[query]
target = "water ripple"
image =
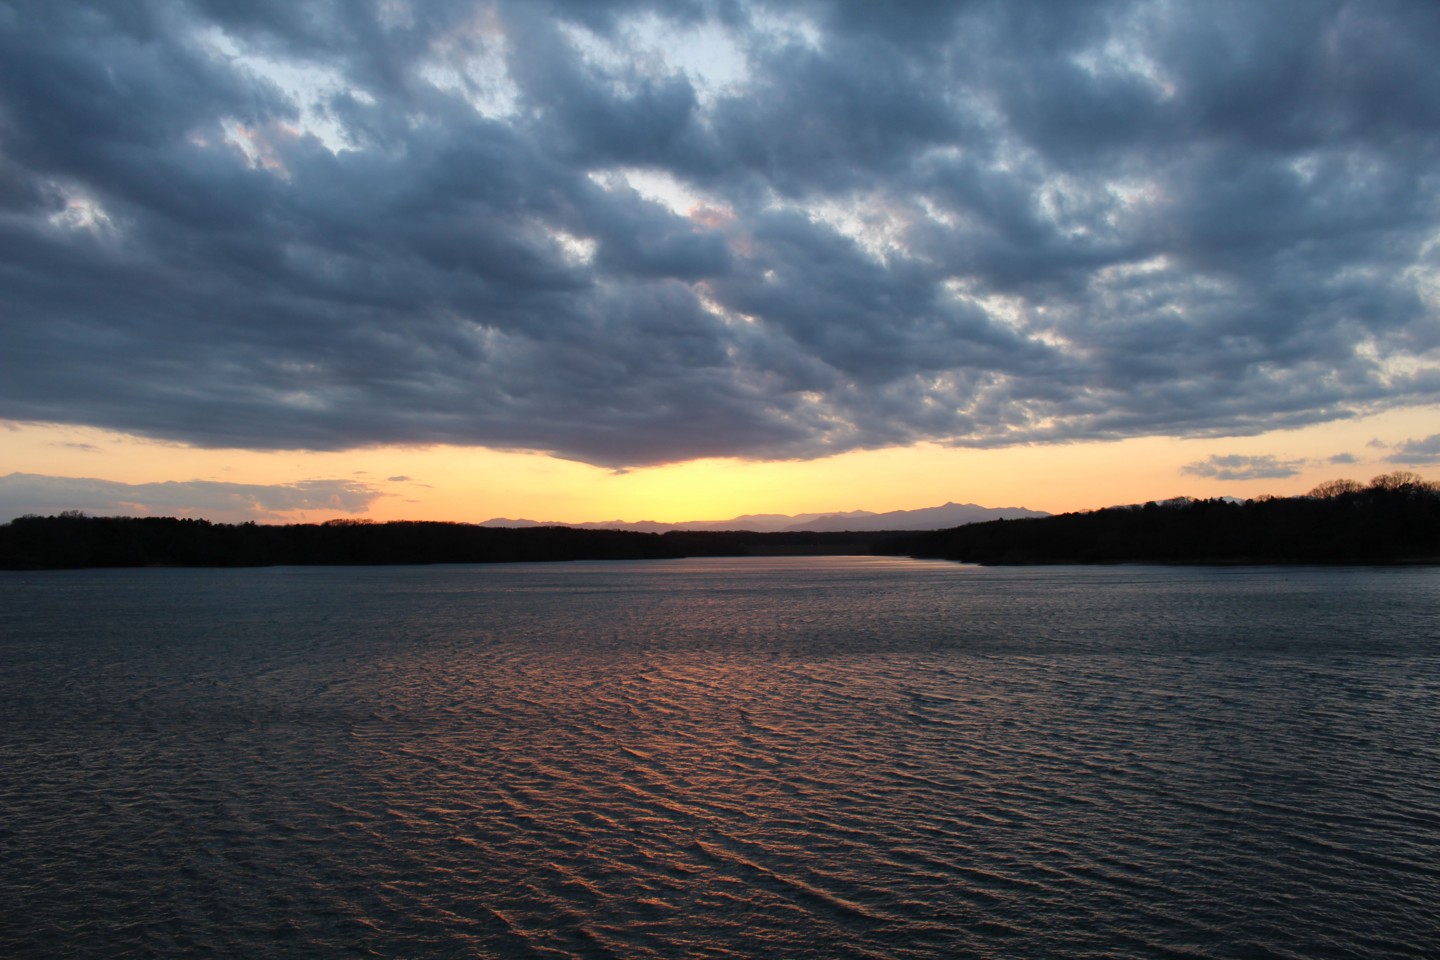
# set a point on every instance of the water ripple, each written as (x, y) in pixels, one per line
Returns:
(806, 758)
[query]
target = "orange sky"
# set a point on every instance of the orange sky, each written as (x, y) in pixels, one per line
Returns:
(467, 484)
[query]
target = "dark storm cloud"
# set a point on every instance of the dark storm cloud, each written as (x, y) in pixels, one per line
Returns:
(547, 227)
(28, 493)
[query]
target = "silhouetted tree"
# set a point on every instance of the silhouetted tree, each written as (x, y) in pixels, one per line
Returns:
(1401, 481)
(1335, 488)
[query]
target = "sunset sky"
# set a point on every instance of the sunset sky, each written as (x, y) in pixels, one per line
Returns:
(280, 260)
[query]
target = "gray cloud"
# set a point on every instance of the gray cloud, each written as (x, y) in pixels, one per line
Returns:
(537, 226)
(26, 493)
(1340, 458)
(1418, 451)
(1238, 467)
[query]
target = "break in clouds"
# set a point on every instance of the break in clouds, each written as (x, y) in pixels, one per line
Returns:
(637, 232)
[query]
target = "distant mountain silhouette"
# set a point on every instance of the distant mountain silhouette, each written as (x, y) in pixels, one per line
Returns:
(926, 518)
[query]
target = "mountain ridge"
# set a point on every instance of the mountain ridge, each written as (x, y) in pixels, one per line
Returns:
(949, 514)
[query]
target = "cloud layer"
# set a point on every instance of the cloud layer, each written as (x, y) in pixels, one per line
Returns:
(633, 233)
(1418, 452)
(25, 493)
(1239, 467)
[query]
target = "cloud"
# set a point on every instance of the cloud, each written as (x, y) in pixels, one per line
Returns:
(632, 233)
(25, 493)
(1239, 467)
(1418, 451)
(1340, 458)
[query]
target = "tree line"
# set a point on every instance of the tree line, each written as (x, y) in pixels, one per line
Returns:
(1394, 518)
(73, 540)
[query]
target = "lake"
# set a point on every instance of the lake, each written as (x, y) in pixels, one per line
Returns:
(781, 757)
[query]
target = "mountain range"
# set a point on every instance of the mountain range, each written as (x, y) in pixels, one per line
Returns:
(926, 518)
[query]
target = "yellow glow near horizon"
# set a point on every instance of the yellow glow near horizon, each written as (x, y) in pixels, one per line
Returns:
(475, 484)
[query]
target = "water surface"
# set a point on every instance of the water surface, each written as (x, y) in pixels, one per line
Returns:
(801, 757)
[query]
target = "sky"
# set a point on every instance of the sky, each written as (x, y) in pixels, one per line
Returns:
(615, 259)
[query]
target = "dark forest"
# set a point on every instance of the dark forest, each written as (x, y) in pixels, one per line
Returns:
(1396, 518)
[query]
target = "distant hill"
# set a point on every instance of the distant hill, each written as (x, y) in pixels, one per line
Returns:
(926, 518)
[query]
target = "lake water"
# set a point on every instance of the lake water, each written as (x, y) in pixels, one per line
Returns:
(792, 757)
